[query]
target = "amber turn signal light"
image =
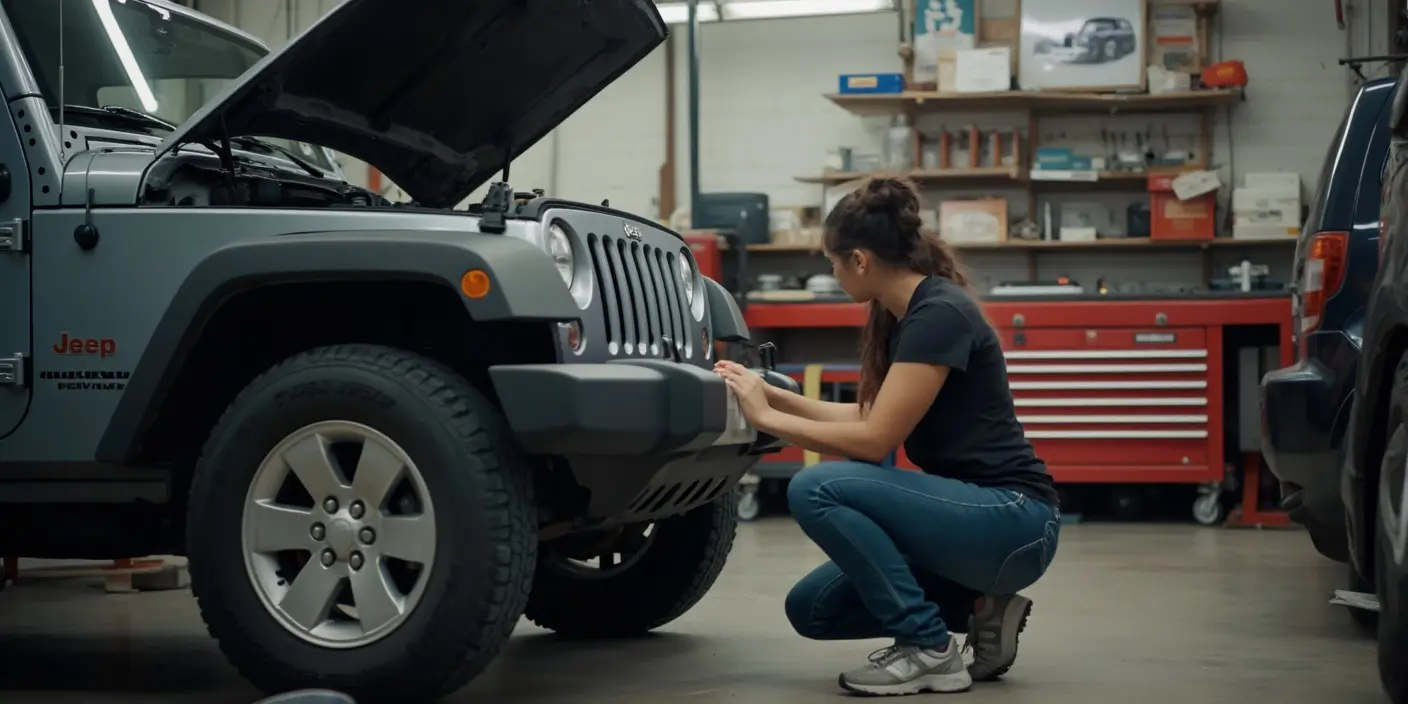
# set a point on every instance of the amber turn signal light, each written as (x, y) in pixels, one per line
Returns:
(475, 283)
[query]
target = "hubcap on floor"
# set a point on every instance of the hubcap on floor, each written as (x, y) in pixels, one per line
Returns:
(339, 534)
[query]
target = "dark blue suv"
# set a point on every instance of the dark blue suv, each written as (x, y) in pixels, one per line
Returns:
(1305, 407)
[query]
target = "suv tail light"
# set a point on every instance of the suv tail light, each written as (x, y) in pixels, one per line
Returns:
(1324, 272)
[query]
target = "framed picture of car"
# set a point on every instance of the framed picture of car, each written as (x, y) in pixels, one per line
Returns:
(1088, 45)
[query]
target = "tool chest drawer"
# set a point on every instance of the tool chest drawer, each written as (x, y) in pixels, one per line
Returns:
(1115, 396)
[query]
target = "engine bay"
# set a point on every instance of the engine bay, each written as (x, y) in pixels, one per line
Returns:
(199, 180)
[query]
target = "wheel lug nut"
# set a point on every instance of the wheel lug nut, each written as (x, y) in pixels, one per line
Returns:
(330, 505)
(357, 509)
(355, 561)
(328, 558)
(367, 535)
(318, 531)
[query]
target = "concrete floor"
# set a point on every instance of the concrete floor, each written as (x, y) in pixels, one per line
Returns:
(1171, 614)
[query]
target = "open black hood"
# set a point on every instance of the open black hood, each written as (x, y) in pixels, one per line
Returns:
(437, 94)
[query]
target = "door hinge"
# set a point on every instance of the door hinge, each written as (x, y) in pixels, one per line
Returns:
(14, 371)
(13, 237)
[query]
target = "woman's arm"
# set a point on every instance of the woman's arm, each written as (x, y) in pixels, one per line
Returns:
(934, 340)
(810, 408)
(908, 392)
(799, 405)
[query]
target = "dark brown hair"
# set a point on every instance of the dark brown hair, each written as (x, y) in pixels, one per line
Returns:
(882, 217)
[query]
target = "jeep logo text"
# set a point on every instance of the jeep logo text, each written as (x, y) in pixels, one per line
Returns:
(103, 347)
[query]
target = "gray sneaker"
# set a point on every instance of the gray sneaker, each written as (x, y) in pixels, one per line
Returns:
(991, 645)
(902, 669)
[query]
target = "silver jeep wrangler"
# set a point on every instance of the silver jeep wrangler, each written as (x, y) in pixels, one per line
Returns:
(382, 432)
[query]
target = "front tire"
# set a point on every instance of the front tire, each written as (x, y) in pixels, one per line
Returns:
(1390, 567)
(286, 497)
(648, 577)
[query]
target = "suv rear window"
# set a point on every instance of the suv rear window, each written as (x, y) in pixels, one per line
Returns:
(1322, 186)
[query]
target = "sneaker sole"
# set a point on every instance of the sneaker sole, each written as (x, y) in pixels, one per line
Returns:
(957, 682)
(1012, 646)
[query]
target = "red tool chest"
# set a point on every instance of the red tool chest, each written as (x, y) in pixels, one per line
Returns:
(1120, 404)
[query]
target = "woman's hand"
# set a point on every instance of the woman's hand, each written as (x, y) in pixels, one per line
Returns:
(750, 389)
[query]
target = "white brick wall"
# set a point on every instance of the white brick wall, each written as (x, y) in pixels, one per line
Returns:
(763, 120)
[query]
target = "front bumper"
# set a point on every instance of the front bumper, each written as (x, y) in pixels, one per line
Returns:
(1302, 439)
(643, 437)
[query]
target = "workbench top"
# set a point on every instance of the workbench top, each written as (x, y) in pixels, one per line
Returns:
(1142, 296)
(1084, 297)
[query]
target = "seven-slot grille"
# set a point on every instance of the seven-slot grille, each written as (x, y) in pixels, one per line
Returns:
(643, 296)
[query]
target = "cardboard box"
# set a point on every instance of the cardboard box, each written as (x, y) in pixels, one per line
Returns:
(782, 220)
(939, 27)
(1174, 219)
(1001, 31)
(800, 237)
(1258, 206)
(947, 72)
(973, 221)
(983, 70)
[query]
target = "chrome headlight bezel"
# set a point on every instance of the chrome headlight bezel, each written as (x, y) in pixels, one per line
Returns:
(691, 283)
(558, 244)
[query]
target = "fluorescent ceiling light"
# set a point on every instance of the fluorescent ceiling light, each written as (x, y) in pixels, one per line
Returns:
(772, 9)
(678, 12)
(124, 55)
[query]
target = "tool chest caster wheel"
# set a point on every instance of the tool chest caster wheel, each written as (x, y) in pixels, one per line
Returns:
(748, 504)
(1208, 510)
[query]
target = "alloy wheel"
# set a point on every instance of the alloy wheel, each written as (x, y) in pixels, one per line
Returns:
(339, 534)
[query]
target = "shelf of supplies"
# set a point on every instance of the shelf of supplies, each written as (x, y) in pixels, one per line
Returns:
(986, 174)
(1001, 175)
(1046, 245)
(1036, 101)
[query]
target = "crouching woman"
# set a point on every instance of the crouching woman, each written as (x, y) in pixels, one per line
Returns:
(913, 555)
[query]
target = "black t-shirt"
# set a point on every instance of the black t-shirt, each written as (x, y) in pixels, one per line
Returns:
(971, 432)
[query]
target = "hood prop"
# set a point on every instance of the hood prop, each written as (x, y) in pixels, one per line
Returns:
(495, 206)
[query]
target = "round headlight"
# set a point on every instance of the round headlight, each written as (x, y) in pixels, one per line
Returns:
(687, 276)
(560, 249)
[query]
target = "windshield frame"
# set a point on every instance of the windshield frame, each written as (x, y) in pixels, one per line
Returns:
(120, 54)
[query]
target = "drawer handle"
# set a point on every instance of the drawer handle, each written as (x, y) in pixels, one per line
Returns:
(1090, 386)
(1109, 402)
(1190, 419)
(1104, 368)
(1107, 354)
(1117, 434)
(1094, 385)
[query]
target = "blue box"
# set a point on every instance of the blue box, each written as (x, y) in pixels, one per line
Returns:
(1058, 158)
(853, 83)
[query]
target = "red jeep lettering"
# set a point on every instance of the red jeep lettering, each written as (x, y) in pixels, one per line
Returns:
(103, 347)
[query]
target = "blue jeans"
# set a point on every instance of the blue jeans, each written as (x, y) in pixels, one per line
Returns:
(910, 549)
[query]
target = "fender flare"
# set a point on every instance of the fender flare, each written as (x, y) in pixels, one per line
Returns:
(725, 319)
(517, 270)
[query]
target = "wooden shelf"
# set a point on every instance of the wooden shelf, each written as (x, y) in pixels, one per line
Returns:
(1041, 245)
(993, 176)
(985, 174)
(1036, 101)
